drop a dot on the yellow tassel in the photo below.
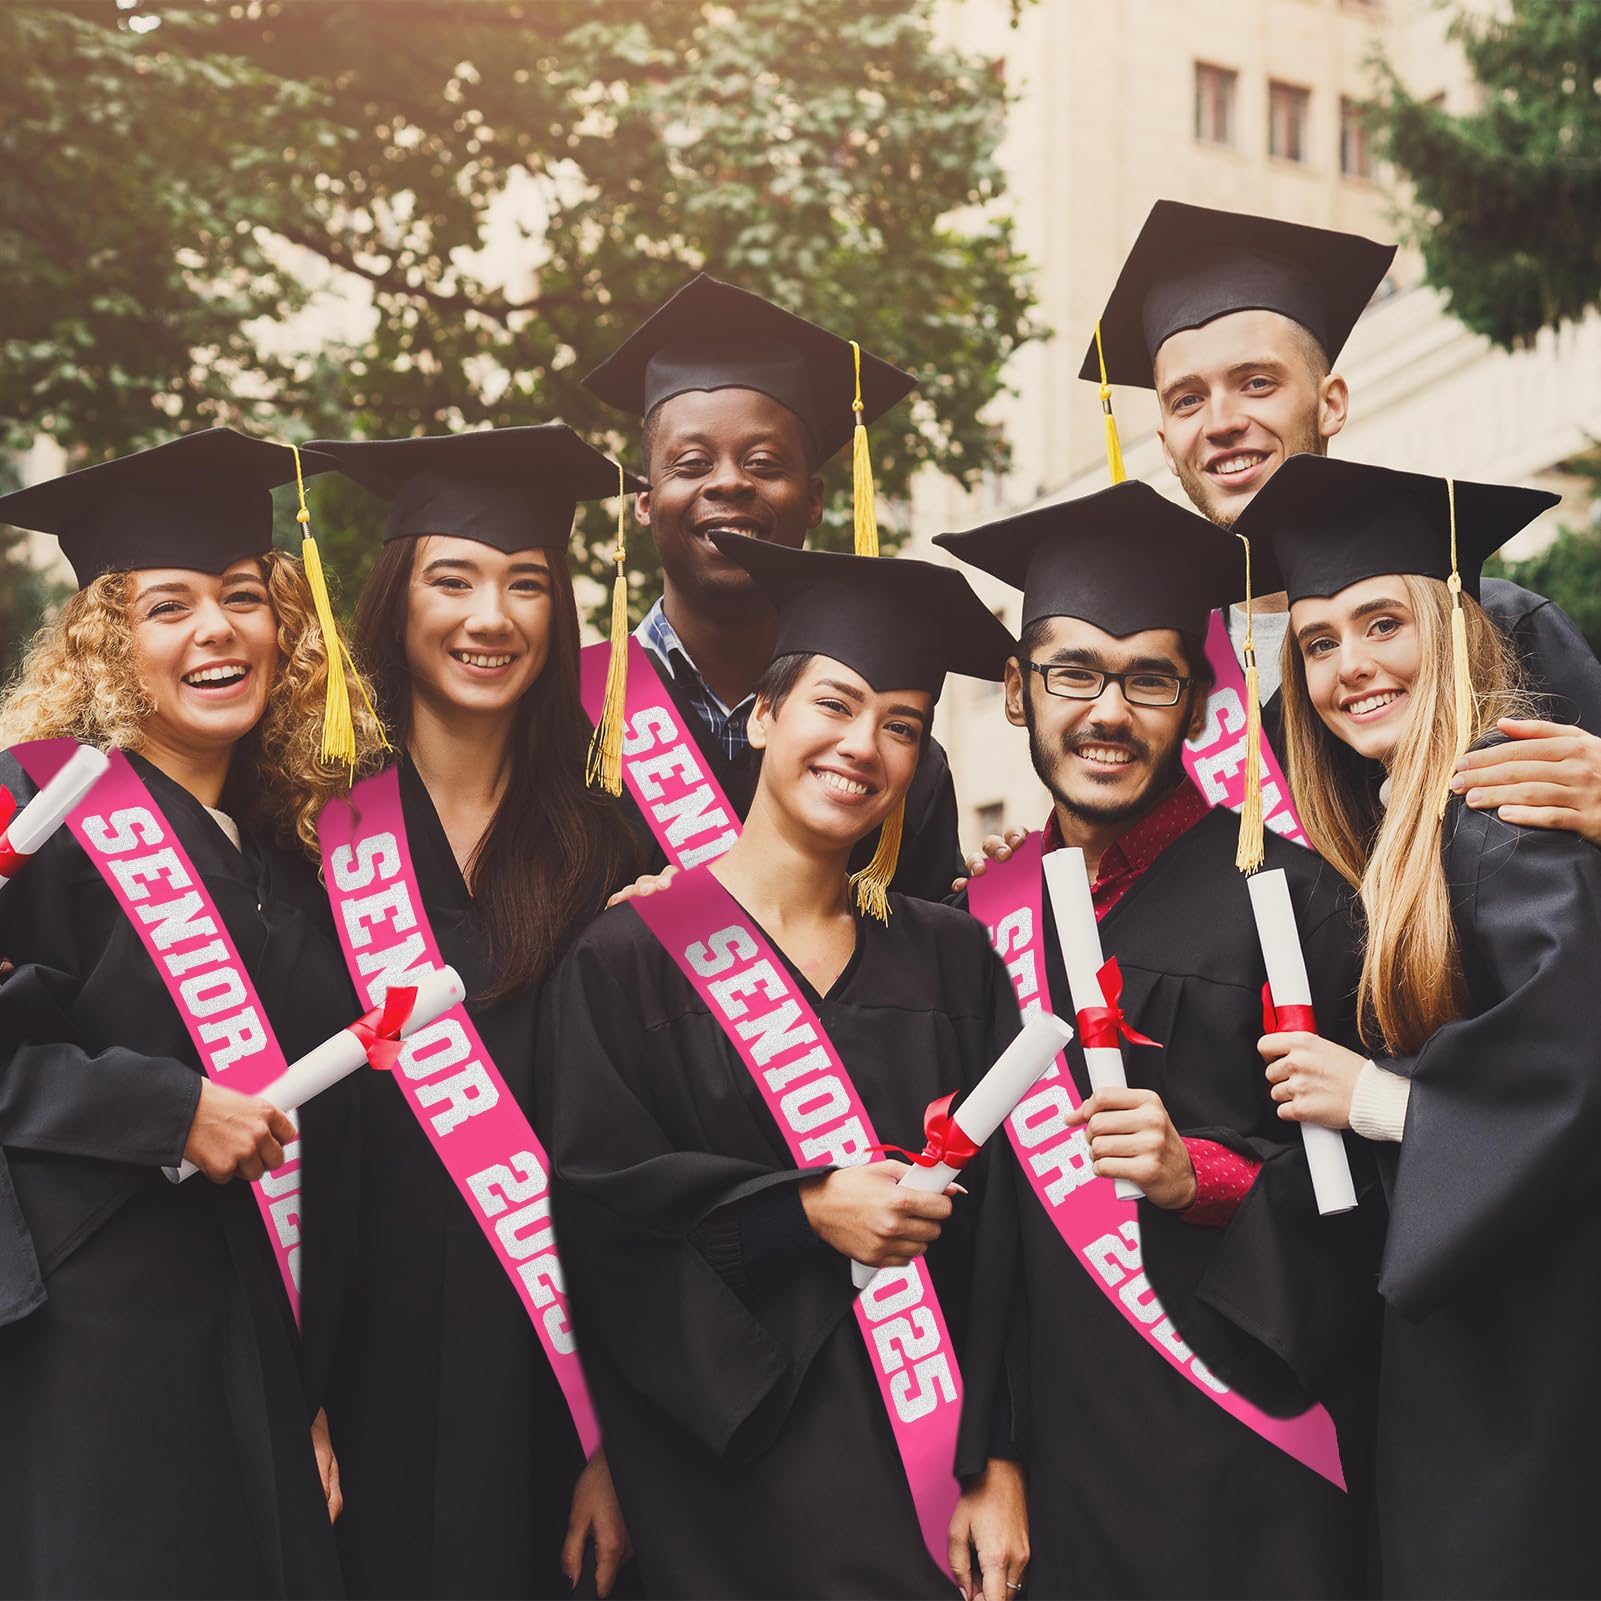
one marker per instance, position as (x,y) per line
(605,765)
(864,501)
(338,725)
(872,883)
(1462,682)
(1114,448)
(1249,853)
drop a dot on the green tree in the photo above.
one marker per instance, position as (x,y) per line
(832,154)
(1507,200)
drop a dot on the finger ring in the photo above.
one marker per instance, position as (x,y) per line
(1011,1586)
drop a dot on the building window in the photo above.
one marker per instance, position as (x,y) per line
(1287,118)
(1356,159)
(1214,103)
(990,819)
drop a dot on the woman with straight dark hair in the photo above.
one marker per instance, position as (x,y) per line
(448,1374)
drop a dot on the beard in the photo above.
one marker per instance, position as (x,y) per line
(1198,487)
(1166,771)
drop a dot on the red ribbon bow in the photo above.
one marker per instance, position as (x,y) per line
(379,1030)
(1285,1019)
(1101,1027)
(10,860)
(946,1141)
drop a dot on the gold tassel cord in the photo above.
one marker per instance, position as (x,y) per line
(1462,682)
(338,725)
(872,882)
(1249,853)
(1114,447)
(604,769)
(864,501)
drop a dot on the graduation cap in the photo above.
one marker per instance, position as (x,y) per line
(901,624)
(1125,559)
(1191,264)
(201,502)
(510,488)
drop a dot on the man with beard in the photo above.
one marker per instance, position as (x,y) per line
(1146,1477)
(1235,321)
(743,403)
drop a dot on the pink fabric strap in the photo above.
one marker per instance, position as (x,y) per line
(779,1038)
(144,865)
(671,781)
(1101,1232)
(449,1080)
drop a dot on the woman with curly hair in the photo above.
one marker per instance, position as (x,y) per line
(469,626)
(158,1438)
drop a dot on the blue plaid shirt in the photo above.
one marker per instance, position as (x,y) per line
(726,724)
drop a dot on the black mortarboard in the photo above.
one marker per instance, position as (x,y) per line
(512,488)
(201,501)
(1125,559)
(1191,264)
(1319,525)
(901,624)
(711,335)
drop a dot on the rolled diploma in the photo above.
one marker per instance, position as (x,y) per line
(1287,983)
(48,810)
(988,1104)
(340,1056)
(1067,877)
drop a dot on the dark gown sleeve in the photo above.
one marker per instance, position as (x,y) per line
(1505,1107)
(1558,658)
(931,852)
(720,1348)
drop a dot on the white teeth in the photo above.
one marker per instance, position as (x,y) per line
(476,659)
(1107,754)
(214,675)
(1371,703)
(1236,464)
(845,786)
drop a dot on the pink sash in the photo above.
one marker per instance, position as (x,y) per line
(144,865)
(1100,1231)
(671,782)
(1215,759)
(733,968)
(450,1082)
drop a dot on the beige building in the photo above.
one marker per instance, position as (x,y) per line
(1250,107)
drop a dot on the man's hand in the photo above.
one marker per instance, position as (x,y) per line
(1132,1137)
(327,1466)
(1313,1079)
(645,884)
(994,847)
(596,1515)
(864,1214)
(992,1519)
(236,1136)
(1549,776)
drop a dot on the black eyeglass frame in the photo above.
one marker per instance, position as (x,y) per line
(1045,669)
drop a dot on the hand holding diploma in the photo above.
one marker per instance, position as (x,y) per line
(1291,1000)
(375,1038)
(954,1140)
(22,833)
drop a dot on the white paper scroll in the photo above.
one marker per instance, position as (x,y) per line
(1067,877)
(48,810)
(989,1103)
(1287,983)
(341,1055)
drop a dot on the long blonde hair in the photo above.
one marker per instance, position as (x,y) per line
(79,679)
(1411,980)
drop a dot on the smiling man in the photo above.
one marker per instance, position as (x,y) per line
(1144,1477)
(742,403)
(1236,322)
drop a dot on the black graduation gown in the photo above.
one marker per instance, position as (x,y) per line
(930,855)
(1562,669)
(156,1426)
(1139,1484)
(457,1453)
(1490,1401)
(743,1424)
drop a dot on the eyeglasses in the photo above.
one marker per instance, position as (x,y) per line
(1140,688)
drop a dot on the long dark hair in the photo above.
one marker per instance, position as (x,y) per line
(555,849)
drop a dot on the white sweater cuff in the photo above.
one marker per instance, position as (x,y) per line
(1378,1104)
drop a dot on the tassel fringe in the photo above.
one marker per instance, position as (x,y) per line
(872,883)
(604,767)
(1114,446)
(864,501)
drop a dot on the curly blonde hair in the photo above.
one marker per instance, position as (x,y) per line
(79,680)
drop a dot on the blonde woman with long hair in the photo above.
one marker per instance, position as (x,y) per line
(1480,1003)
(158,1436)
